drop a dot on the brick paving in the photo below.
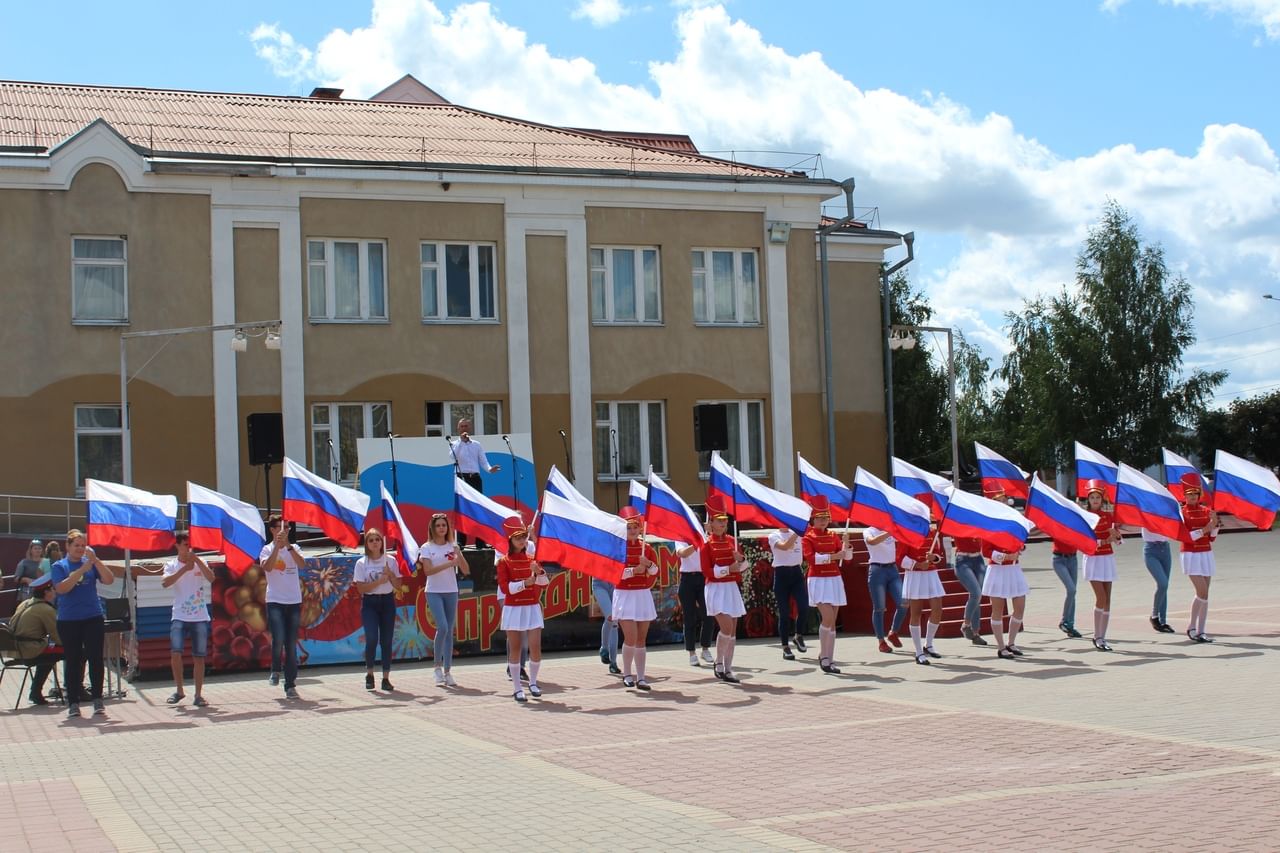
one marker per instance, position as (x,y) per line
(1162,743)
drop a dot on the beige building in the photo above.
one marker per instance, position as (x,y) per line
(425,261)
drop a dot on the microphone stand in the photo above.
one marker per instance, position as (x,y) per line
(457,468)
(333,462)
(617,496)
(515,473)
(395,484)
(568,463)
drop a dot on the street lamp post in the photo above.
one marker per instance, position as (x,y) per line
(910,240)
(900,338)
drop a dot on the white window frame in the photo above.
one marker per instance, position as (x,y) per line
(117,431)
(445,426)
(744,432)
(330,431)
(442,286)
(122,262)
(604,271)
(611,423)
(330,281)
(740,288)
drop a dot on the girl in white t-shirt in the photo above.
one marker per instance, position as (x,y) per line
(377,577)
(440,560)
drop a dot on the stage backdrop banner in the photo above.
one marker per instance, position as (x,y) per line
(424,473)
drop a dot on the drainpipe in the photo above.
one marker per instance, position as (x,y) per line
(828,397)
(909,238)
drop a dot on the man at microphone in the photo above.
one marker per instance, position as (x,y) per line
(470,459)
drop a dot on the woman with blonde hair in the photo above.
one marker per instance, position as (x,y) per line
(377,577)
(440,560)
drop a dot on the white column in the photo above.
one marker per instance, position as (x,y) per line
(226,408)
(779,327)
(517,322)
(581,419)
(293,401)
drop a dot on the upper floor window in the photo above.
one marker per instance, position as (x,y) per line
(99,445)
(347,280)
(624,285)
(99,280)
(335,428)
(726,287)
(745,419)
(459,282)
(636,433)
(442,417)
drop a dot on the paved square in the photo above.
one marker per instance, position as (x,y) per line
(1160,744)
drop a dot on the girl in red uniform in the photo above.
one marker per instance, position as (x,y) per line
(521,580)
(722,564)
(921,583)
(1100,567)
(633,600)
(823,551)
(1004,580)
(1197,552)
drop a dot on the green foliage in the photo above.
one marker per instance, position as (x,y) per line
(1248,427)
(921,418)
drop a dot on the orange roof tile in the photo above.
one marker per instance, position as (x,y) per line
(215,125)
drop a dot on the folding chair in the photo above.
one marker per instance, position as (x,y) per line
(11,658)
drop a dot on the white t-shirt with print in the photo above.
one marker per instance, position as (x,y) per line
(444,581)
(190,593)
(371,568)
(283,587)
(692,563)
(792,556)
(884,552)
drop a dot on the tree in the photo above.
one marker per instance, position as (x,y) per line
(1101,362)
(921,416)
(1248,427)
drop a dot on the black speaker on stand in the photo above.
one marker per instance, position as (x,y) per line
(710,427)
(265,434)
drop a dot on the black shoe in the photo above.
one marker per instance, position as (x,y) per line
(922,658)
(604,656)
(931,652)
(1155,624)
(827,666)
(966,632)
(730,678)
(1017,652)
(535,691)
(719,673)
(614,670)
(1202,638)
(1166,628)
(1193,636)
(628,682)
(37,699)
(1006,654)
(1101,645)
(524,676)
(641,684)
(978,641)
(368,682)
(787,654)
(386,685)
(519,696)
(798,642)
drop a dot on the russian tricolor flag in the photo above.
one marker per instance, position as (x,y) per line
(130,518)
(882,506)
(398,532)
(1245,490)
(336,510)
(756,503)
(921,485)
(1143,502)
(976,517)
(581,538)
(814,483)
(999,474)
(231,527)
(558,484)
(1175,468)
(721,480)
(638,493)
(1092,465)
(1061,518)
(668,515)
(480,516)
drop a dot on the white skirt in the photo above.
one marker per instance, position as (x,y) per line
(827,591)
(1100,567)
(636,604)
(1197,563)
(1004,581)
(726,598)
(521,617)
(921,585)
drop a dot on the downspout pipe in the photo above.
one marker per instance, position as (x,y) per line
(828,396)
(910,239)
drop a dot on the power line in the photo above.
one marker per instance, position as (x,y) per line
(1237,358)
(1240,391)
(1241,332)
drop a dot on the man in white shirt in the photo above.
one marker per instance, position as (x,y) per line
(470,459)
(884,582)
(282,562)
(189,578)
(789,585)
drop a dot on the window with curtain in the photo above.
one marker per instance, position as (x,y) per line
(625,287)
(335,428)
(442,417)
(726,287)
(459,282)
(99,445)
(347,280)
(746,437)
(637,432)
(99,280)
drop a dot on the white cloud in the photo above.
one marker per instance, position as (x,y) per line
(600,13)
(1255,13)
(1019,209)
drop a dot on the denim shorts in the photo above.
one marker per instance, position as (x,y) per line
(197,631)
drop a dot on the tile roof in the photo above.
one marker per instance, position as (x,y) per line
(213,125)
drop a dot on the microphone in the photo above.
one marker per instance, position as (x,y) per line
(448,437)
(394,435)
(562,435)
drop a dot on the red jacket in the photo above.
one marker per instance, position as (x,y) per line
(719,551)
(1106,523)
(1197,518)
(988,551)
(641,579)
(966,545)
(518,567)
(922,555)
(815,543)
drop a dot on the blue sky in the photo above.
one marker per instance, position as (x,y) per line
(995,130)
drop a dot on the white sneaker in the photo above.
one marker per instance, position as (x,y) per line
(439,678)
(448,680)
(706,656)
(693,660)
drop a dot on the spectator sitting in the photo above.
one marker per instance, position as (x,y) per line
(35,627)
(29,568)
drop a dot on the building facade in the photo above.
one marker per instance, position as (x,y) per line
(425,262)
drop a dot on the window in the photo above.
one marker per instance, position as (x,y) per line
(99,280)
(639,430)
(338,426)
(347,280)
(745,419)
(624,285)
(442,418)
(726,287)
(458,282)
(99,445)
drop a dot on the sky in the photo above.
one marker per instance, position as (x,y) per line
(995,130)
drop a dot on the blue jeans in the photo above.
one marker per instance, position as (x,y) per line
(444,612)
(603,591)
(378,614)
(1067,569)
(788,584)
(283,621)
(1159,560)
(883,581)
(197,631)
(971,571)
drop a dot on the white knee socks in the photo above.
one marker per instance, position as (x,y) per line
(1015,624)
(729,644)
(628,655)
(1201,613)
(1100,619)
(722,643)
(915,637)
(639,654)
(826,643)
(997,630)
(534,666)
(514,670)
(929,631)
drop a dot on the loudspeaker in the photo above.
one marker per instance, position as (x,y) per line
(710,427)
(266,438)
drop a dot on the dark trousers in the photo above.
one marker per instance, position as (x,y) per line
(697,624)
(81,644)
(474,481)
(44,667)
(283,622)
(378,613)
(788,586)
